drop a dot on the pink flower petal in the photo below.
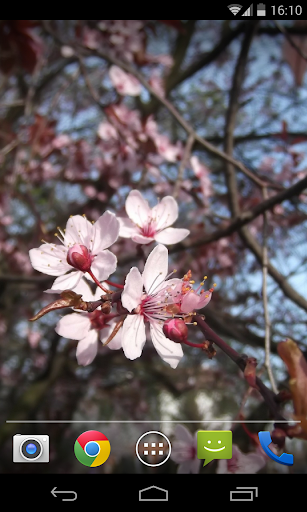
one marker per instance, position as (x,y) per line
(168,350)
(67,282)
(127,228)
(141,239)
(204,299)
(78,231)
(133,336)
(165,212)
(156,266)
(84,289)
(137,208)
(87,348)
(116,342)
(183,434)
(171,235)
(189,302)
(105,232)
(103,265)
(106,131)
(124,83)
(73,326)
(133,290)
(50,259)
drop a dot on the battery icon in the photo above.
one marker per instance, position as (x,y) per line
(261,10)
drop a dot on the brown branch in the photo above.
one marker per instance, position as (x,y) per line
(126,66)
(208,57)
(239,139)
(290,40)
(244,233)
(267,323)
(233,106)
(268,395)
(183,163)
(183,123)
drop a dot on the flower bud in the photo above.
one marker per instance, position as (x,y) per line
(79,257)
(176,330)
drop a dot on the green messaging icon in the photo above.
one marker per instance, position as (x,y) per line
(214,444)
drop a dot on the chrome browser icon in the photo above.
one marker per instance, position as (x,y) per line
(92,448)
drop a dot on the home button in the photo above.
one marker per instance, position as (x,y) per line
(153,493)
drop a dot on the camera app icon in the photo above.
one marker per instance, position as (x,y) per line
(30,448)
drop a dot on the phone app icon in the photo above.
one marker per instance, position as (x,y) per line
(214,444)
(265,439)
(92,448)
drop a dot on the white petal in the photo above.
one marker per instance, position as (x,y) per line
(155,269)
(78,231)
(84,289)
(133,290)
(182,434)
(137,208)
(116,342)
(50,259)
(168,350)
(127,228)
(171,235)
(67,282)
(105,232)
(87,348)
(104,265)
(133,336)
(165,212)
(141,239)
(250,463)
(73,326)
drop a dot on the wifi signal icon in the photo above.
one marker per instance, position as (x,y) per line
(235,8)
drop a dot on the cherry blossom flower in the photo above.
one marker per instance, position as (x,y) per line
(87,328)
(123,82)
(188,297)
(241,462)
(83,250)
(149,307)
(146,224)
(106,131)
(184,451)
(202,172)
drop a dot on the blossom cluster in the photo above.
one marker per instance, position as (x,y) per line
(152,298)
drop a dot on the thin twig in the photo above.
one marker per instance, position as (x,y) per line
(126,66)
(267,323)
(184,161)
(9,147)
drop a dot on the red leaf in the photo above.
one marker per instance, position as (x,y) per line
(296,62)
(18,45)
(297,368)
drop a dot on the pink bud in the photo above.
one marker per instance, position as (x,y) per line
(79,257)
(176,330)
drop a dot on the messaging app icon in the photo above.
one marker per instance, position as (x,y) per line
(214,444)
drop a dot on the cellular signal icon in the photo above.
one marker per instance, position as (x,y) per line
(235,8)
(249,11)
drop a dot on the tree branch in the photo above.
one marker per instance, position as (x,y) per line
(268,395)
